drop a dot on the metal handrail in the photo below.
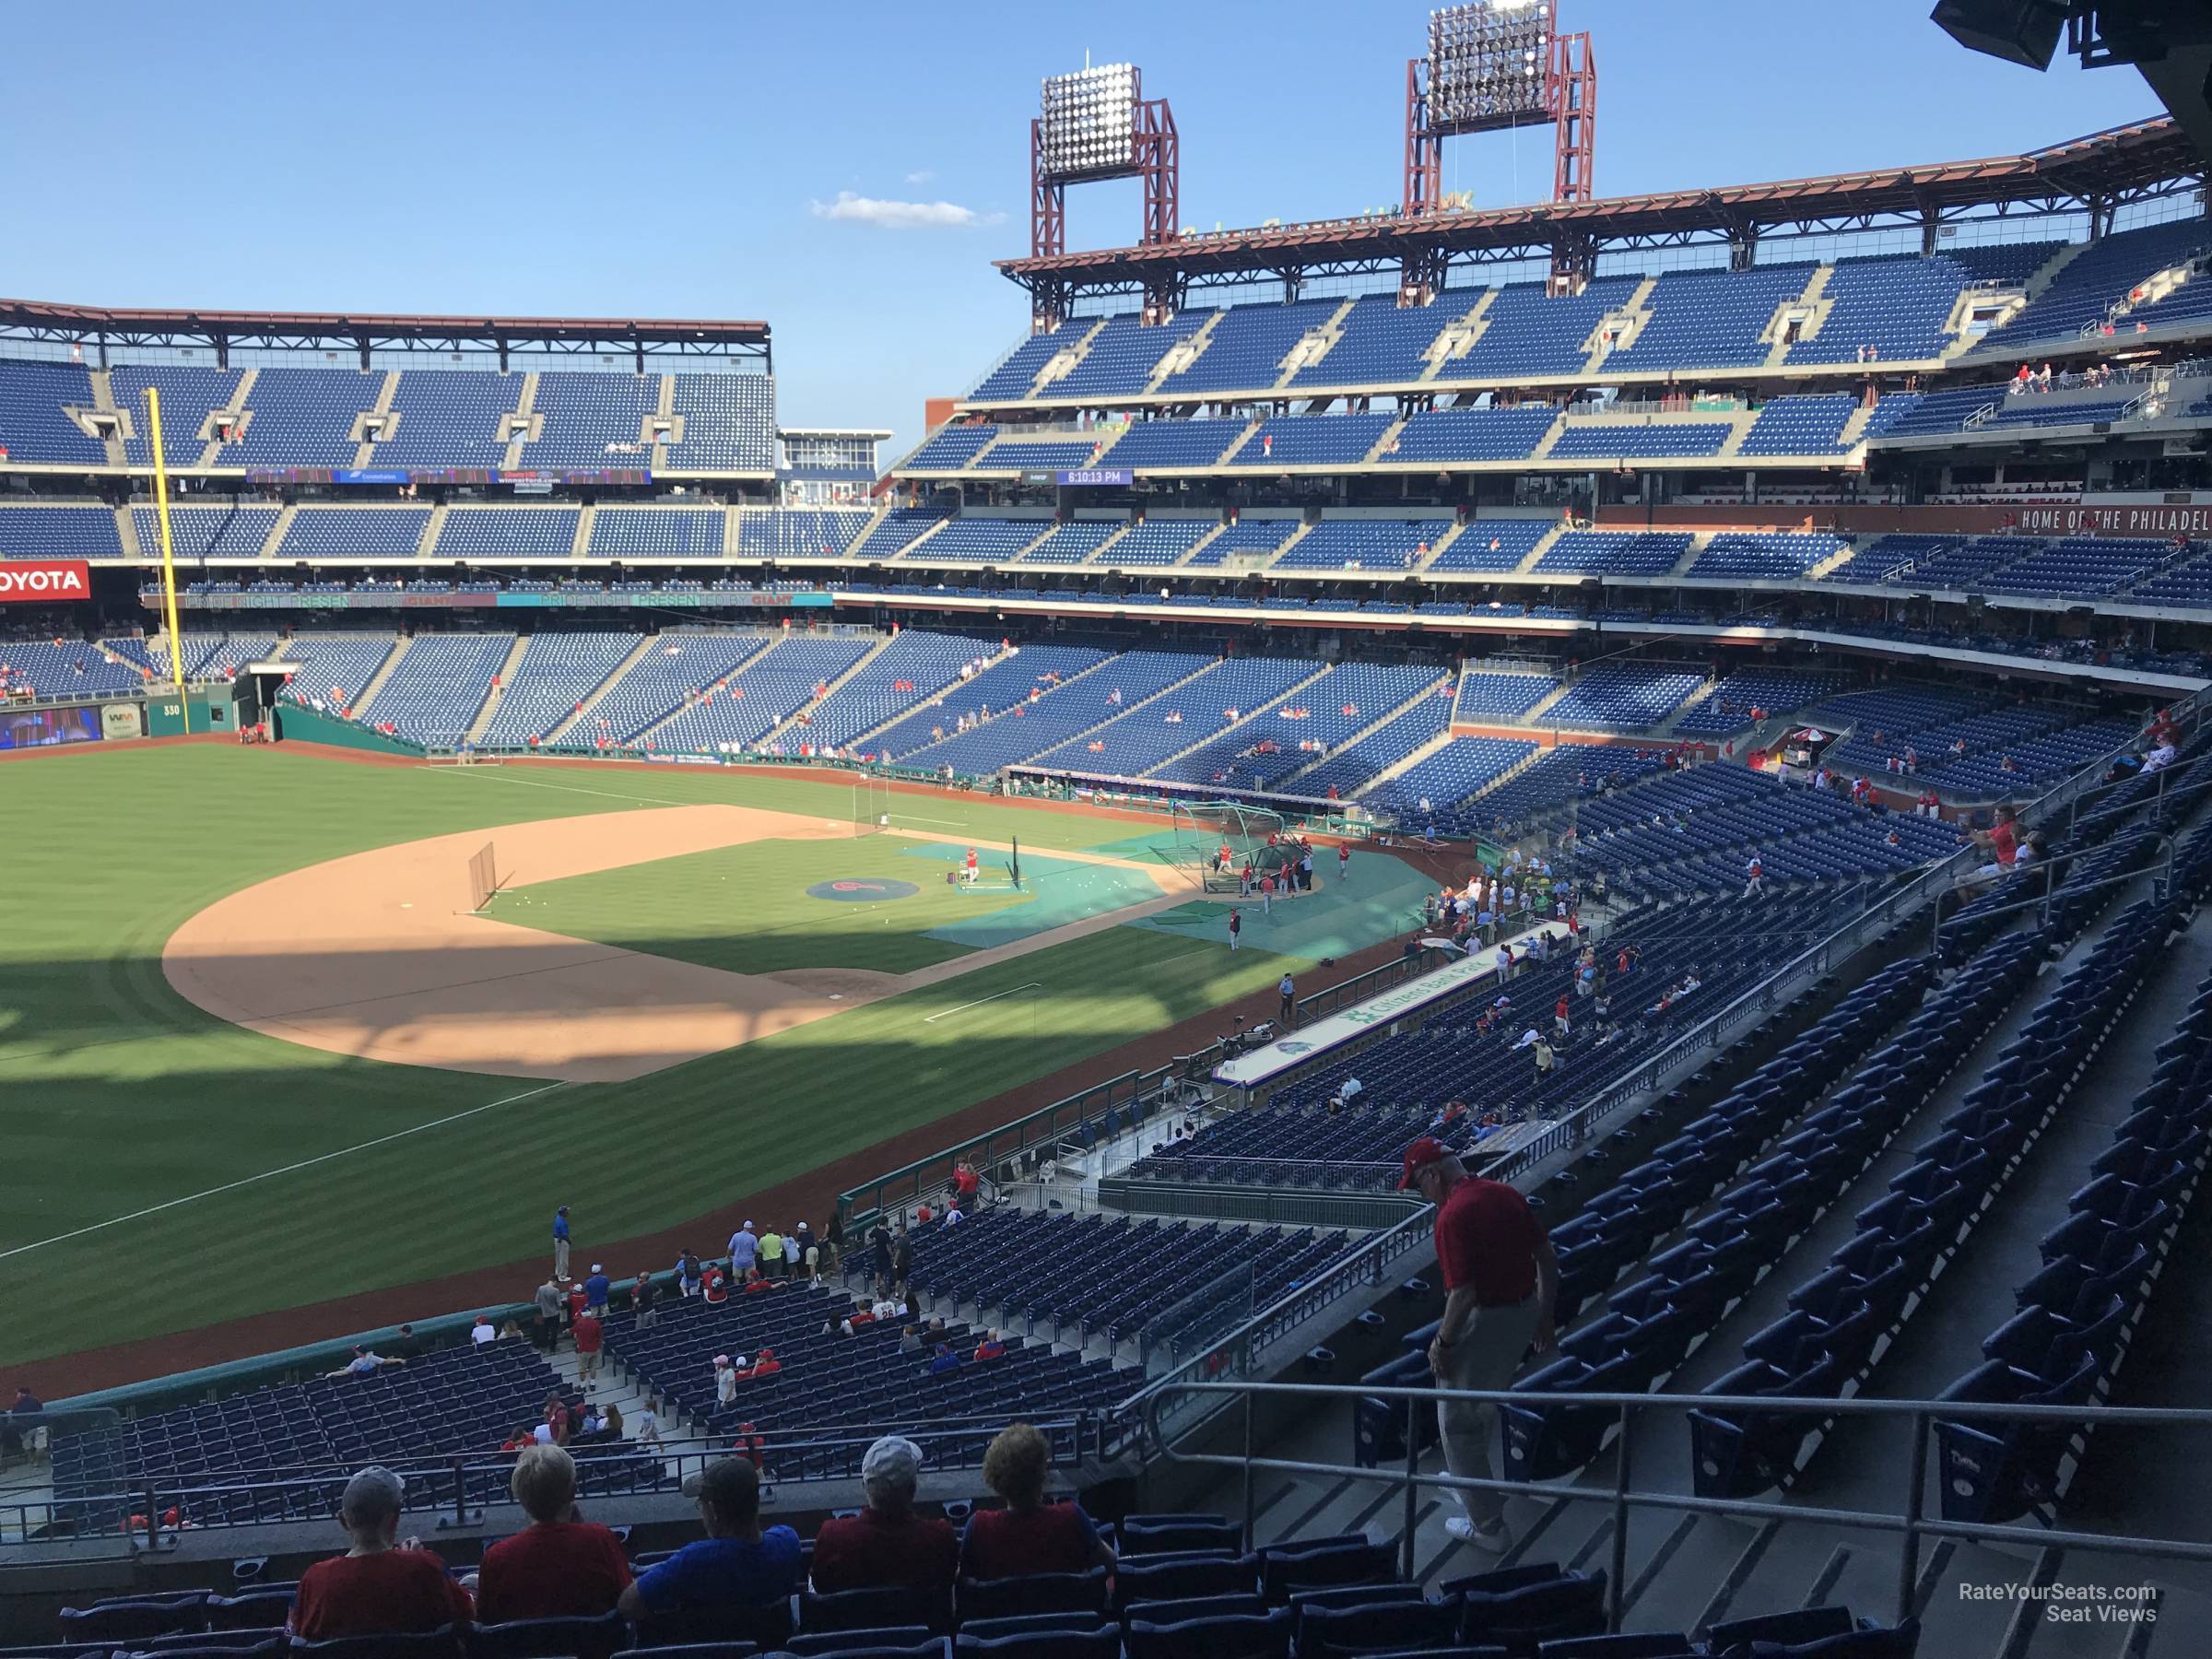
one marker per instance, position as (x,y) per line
(1909,1521)
(448,1482)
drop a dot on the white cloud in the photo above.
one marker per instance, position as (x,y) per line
(902,216)
(921,176)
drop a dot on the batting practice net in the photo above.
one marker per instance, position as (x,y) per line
(483,876)
(1212,840)
(871,803)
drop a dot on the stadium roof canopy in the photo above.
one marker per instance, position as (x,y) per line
(2096,174)
(221,331)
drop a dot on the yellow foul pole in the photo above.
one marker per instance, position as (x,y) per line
(169,560)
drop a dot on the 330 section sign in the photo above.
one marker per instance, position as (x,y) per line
(44,581)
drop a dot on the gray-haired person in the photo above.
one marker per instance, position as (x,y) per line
(380,1587)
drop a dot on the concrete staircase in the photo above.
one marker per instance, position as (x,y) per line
(211,452)
(368,693)
(995,658)
(582,540)
(1424,695)
(432,530)
(277,531)
(1184,352)
(637,654)
(665,408)
(738,673)
(1380,447)
(1202,542)
(1699,542)
(1534,715)
(1457,337)
(1742,423)
(1855,428)
(1665,727)
(384,395)
(1833,561)
(1242,438)
(1436,548)
(1249,721)
(1779,335)
(1511,773)
(1316,344)
(1544,544)
(1100,555)
(526,406)
(1092,673)
(2039,282)
(103,397)
(793,724)
(1624,322)
(1063,362)
(126,531)
(498,688)
(901,553)
(1550,437)
(1405,765)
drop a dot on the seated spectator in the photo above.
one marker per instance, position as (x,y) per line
(945,1359)
(366,1362)
(991,1347)
(887,1543)
(739,1563)
(910,1341)
(1030,1535)
(558,1566)
(481,1333)
(377,1588)
(767,1365)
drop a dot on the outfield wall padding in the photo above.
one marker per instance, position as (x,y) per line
(297,725)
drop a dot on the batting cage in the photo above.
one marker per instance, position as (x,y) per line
(871,803)
(1213,840)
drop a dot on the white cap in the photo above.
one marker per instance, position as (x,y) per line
(894,1457)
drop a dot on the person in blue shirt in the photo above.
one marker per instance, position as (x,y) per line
(739,1564)
(595,1289)
(946,1361)
(561,1243)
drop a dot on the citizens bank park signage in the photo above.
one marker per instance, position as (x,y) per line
(44,581)
(2145,518)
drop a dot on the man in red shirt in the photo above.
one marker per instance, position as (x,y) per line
(965,1182)
(557,1566)
(376,1588)
(1501,1282)
(887,1543)
(590,1337)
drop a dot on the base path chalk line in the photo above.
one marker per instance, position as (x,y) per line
(290,1168)
(979,1001)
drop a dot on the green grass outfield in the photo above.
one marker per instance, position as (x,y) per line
(120,1099)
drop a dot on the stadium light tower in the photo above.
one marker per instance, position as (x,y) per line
(1494,64)
(1098,123)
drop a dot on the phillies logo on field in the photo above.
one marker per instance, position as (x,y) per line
(50,580)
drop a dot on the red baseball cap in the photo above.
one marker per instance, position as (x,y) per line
(1426,1150)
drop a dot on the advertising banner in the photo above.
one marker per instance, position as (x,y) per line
(44,581)
(48,728)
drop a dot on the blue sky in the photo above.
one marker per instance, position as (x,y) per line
(678,158)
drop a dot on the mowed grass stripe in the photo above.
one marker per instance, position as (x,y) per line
(637,1156)
(115,1094)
